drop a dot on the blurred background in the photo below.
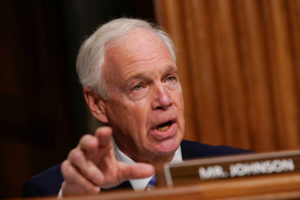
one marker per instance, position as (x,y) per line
(43,113)
(239,64)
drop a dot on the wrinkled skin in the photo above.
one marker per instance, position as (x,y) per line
(144,112)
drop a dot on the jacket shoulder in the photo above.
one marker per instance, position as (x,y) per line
(192,150)
(47,183)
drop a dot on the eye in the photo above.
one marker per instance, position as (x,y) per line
(137,87)
(138,90)
(171,78)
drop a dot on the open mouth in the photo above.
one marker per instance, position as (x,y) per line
(164,126)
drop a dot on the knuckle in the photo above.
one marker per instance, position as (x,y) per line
(66,170)
(71,153)
(65,166)
(90,170)
(85,139)
(75,155)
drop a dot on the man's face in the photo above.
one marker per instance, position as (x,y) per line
(145,105)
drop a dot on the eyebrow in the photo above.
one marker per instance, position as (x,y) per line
(141,75)
(171,69)
(127,81)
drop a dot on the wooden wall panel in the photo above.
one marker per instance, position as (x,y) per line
(239,62)
(176,26)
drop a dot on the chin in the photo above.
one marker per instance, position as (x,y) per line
(168,146)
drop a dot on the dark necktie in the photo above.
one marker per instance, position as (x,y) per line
(151,183)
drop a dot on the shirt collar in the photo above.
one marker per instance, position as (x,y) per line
(140,184)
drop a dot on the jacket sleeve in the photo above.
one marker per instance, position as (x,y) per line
(47,183)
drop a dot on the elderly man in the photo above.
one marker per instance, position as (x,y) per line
(130,81)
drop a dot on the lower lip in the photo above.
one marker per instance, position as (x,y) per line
(161,135)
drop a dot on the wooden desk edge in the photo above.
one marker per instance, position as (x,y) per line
(273,187)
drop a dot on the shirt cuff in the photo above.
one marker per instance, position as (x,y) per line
(59,193)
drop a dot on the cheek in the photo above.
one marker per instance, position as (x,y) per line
(139,120)
(140,114)
(115,117)
(129,114)
(180,108)
(179,100)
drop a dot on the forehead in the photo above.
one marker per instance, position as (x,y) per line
(138,50)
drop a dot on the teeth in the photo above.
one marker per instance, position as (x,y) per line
(164,128)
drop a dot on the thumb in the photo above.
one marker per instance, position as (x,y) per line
(136,171)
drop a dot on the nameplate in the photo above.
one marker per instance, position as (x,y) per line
(232,167)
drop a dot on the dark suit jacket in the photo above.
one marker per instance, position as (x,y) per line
(49,182)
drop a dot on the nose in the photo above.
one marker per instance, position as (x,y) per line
(162,99)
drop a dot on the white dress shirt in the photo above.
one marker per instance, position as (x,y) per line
(141,184)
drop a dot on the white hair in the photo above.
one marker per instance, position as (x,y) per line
(90,58)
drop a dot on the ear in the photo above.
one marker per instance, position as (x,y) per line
(96,104)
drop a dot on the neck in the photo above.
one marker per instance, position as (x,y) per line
(145,157)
